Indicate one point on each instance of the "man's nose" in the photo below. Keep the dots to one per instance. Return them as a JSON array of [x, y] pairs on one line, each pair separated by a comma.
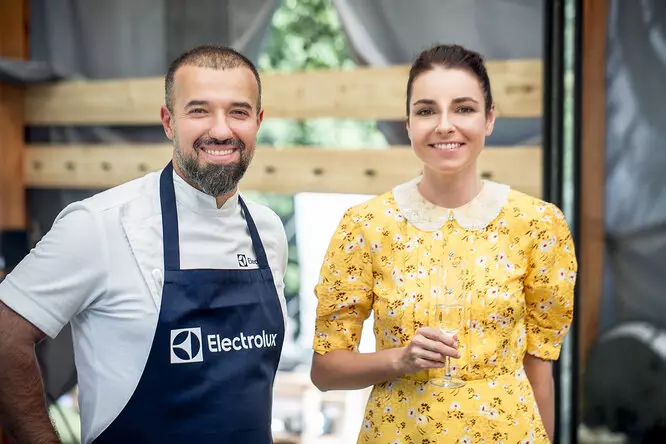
[[221, 129]]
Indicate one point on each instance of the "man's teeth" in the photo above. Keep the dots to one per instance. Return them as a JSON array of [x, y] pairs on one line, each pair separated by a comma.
[[219, 152], [447, 146]]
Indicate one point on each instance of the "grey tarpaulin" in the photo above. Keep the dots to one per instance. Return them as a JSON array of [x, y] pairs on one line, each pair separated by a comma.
[[635, 162], [72, 39]]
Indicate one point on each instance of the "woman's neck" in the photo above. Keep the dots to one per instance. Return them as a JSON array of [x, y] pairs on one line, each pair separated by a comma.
[[450, 191]]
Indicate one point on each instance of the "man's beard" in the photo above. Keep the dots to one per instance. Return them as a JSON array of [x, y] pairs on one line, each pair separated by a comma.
[[213, 179]]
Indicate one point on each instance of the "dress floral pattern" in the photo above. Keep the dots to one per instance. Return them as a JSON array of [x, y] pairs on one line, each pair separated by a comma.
[[507, 256]]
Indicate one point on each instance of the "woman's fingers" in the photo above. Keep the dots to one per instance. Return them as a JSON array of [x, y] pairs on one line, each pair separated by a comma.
[[435, 346], [436, 335], [429, 349], [424, 363], [420, 353]]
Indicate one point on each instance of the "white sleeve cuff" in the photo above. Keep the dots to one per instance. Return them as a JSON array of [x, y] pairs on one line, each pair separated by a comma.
[[29, 309]]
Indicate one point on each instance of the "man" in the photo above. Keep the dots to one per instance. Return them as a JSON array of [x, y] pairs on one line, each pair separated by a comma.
[[173, 284]]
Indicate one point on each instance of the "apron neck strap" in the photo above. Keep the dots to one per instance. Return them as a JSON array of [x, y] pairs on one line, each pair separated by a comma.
[[170, 240]]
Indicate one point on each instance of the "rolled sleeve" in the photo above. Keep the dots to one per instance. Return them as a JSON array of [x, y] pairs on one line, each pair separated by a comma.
[[345, 289], [59, 278], [549, 286]]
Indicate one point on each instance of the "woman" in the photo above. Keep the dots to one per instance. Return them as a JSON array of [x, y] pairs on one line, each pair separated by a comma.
[[448, 235]]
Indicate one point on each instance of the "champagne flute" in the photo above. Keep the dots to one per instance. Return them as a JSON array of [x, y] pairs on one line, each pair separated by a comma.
[[449, 319]]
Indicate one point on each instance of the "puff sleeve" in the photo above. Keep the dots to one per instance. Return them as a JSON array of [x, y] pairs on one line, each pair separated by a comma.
[[549, 285], [345, 288]]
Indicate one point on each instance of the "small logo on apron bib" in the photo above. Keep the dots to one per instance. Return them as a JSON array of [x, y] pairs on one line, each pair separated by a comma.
[[244, 260]]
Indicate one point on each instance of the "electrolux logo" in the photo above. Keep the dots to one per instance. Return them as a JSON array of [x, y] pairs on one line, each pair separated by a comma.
[[186, 346], [244, 261]]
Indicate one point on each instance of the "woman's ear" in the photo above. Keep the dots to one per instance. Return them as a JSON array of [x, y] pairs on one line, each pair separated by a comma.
[[490, 121]]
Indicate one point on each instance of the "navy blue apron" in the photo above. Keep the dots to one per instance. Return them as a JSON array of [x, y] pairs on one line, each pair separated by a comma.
[[209, 376]]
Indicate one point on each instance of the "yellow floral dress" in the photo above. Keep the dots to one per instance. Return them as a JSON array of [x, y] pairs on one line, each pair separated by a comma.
[[507, 256]]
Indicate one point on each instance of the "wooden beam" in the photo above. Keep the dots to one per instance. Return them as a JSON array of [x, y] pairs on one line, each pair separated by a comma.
[[591, 247], [12, 190], [362, 93], [13, 44], [284, 171]]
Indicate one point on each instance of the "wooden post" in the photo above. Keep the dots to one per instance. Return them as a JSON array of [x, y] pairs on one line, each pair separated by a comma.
[[13, 44], [593, 132]]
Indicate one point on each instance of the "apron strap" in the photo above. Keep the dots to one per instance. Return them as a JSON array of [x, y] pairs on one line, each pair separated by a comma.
[[258, 246], [170, 240]]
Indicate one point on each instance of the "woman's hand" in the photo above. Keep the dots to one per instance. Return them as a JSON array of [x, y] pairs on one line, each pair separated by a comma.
[[428, 349]]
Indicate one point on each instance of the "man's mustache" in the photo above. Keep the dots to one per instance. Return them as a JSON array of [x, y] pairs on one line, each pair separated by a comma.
[[212, 141]]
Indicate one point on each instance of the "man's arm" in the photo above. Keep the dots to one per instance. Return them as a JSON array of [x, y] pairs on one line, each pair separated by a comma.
[[22, 402], [58, 279], [540, 375]]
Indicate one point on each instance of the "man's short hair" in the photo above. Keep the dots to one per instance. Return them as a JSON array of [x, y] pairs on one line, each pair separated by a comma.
[[208, 56]]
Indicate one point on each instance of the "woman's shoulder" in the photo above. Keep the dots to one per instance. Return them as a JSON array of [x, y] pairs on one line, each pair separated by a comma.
[[377, 207], [530, 204], [532, 211]]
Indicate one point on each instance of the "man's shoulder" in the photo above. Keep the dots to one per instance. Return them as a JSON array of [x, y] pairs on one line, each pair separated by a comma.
[[263, 215], [139, 193]]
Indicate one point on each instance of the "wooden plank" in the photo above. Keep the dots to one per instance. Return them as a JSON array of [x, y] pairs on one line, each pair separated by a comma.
[[591, 247], [12, 190], [284, 171], [13, 44], [362, 93]]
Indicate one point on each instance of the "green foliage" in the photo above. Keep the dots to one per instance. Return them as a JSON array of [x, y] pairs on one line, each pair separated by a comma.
[[305, 35]]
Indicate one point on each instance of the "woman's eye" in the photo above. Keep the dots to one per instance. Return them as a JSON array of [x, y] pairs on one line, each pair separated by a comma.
[[424, 112]]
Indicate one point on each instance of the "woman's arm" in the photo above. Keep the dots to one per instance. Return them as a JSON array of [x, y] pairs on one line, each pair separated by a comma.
[[540, 375], [549, 302], [350, 370]]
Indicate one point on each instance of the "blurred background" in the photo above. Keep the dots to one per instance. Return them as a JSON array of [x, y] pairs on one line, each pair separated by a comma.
[[579, 86]]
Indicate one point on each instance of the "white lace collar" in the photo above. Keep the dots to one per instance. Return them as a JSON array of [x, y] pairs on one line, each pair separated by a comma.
[[475, 215]]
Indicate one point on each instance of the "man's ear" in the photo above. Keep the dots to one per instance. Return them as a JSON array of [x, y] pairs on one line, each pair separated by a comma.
[[260, 116], [167, 122]]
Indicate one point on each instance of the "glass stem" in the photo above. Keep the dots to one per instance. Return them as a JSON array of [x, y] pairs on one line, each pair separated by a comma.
[[447, 371]]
